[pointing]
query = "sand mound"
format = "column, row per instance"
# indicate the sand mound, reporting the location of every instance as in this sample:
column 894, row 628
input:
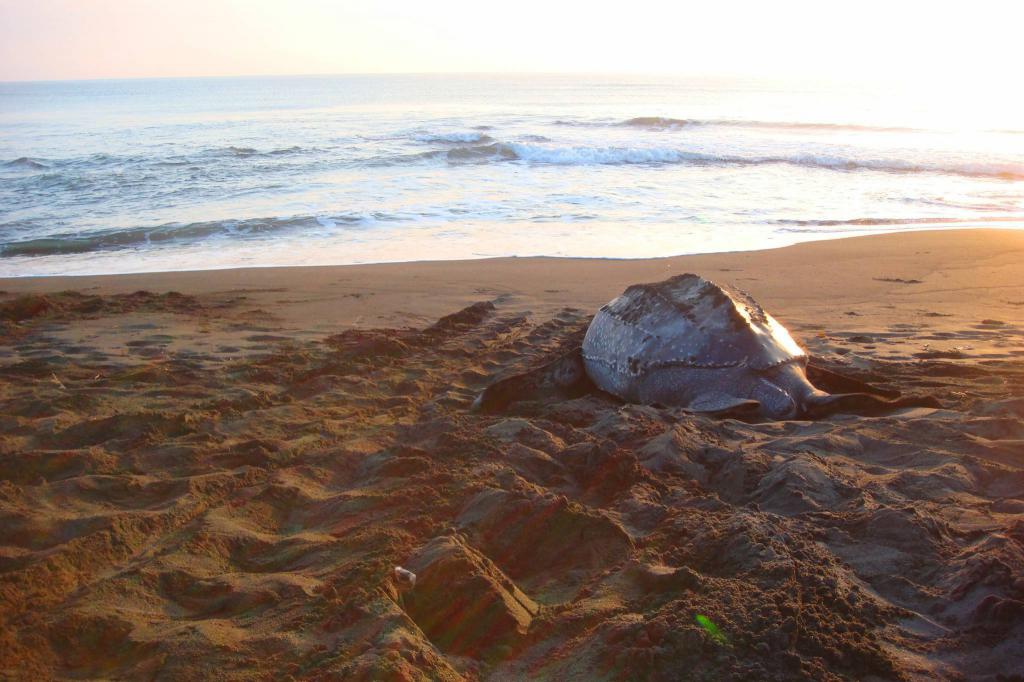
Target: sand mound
column 70, row 304
column 464, row 603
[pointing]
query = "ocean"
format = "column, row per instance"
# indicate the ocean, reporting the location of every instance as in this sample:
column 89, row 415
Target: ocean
column 184, row 174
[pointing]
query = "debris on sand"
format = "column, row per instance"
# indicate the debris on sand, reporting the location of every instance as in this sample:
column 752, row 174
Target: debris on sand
column 405, row 577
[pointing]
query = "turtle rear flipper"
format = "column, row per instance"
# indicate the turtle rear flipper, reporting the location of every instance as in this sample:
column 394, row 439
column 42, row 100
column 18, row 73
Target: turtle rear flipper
column 864, row 404
column 561, row 378
column 835, row 382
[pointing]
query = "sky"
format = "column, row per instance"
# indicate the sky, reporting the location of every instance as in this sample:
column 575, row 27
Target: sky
column 939, row 42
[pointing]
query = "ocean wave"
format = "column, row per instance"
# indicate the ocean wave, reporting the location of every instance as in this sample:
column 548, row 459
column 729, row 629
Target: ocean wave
column 1004, row 171
column 663, row 123
column 588, row 123
column 106, row 240
column 173, row 162
column 25, row 162
column 981, row 207
column 454, row 138
column 593, row 156
column 565, row 156
column 118, row 171
column 660, row 122
column 100, row 160
column 810, row 226
column 484, row 152
column 250, row 151
column 401, row 159
column 294, row 149
column 667, row 123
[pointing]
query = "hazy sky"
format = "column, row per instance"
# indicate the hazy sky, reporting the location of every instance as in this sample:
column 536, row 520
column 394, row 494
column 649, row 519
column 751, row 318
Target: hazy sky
column 977, row 41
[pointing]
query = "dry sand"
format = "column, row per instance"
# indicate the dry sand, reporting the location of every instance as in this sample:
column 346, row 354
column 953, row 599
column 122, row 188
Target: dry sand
column 218, row 483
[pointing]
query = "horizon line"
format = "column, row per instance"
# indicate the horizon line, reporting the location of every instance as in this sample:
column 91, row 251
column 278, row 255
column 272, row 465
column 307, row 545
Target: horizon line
column 638, row 74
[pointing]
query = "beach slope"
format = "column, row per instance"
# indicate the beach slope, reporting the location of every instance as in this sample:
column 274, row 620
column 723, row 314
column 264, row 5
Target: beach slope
column 215, row 474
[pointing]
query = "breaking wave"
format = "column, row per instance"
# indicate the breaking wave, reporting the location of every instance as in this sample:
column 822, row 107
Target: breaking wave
column 485, row 152
column 801, row 226
column 593, row 156
column 105, row 240
column 250, row 151
column 661, row 122
column 454, row 138
column 669, row 123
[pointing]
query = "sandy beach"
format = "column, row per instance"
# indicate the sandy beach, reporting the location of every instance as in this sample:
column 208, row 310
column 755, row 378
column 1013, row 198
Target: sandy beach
column 214, row 474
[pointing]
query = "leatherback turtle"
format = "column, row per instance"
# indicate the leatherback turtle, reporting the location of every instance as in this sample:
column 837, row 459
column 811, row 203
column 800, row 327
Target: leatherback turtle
column 691, row 343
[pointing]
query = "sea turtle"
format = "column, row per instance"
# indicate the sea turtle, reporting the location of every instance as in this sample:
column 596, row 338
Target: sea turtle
column 691, row 343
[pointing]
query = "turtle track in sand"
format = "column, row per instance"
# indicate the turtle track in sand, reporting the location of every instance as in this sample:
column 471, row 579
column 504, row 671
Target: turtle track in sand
column 186, row 514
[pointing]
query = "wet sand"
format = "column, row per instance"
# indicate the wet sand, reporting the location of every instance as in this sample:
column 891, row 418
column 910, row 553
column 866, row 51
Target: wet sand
column 214, row 474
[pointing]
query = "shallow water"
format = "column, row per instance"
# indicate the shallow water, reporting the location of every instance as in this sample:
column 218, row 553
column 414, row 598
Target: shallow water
column 128, row 176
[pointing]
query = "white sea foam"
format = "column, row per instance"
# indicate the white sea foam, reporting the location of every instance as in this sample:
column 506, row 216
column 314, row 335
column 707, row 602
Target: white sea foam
column 591, row 156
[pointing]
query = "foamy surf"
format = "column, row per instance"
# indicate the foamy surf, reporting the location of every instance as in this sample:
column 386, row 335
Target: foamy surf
column 589, row 156
column 334, row 170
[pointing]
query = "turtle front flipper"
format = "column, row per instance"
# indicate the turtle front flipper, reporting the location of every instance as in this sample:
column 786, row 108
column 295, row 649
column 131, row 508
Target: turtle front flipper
column 721, row 405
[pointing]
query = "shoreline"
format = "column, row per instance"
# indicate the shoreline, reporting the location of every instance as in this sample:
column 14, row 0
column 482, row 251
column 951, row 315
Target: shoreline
column 952, row 226
column 407, row 293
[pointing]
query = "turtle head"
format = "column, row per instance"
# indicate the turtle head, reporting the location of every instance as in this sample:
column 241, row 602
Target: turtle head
column 781, row 391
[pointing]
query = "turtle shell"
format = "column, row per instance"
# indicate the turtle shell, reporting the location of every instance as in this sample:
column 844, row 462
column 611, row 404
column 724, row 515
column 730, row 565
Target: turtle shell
column 686, row 321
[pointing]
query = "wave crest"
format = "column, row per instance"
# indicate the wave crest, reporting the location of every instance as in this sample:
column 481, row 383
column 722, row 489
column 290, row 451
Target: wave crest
column 593, row 156
column 454, row 138
column 659, row 122
column 250, row 151
column 62, row 244
column 26, row 163
column 485, row 152
column 810, row 226
column 663, row 123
